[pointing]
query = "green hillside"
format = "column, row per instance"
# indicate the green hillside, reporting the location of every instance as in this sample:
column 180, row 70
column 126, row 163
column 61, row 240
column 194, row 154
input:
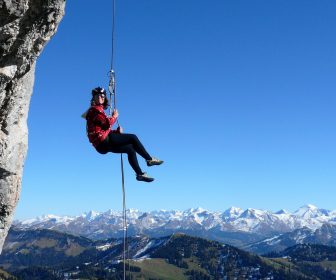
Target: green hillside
column 46, row 254
column 158, row 269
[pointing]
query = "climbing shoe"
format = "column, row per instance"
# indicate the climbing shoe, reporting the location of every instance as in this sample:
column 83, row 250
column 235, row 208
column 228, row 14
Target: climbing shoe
column 144, row 177
column 154, row 161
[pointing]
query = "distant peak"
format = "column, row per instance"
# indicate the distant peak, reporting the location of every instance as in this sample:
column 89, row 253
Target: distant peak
column 92, row 212
column 90, row 215
column 310, row 206
column 282, row 211
column 233, row 211
column 309, row 211
column 196, row 210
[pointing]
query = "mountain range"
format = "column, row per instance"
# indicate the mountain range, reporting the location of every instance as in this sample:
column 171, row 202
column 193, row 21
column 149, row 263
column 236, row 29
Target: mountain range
column 259, row 231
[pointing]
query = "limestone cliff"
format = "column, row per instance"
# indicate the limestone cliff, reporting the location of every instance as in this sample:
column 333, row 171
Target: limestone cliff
column 25, row 28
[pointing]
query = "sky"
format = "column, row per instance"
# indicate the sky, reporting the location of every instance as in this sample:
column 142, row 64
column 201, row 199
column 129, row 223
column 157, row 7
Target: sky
column 236, row 96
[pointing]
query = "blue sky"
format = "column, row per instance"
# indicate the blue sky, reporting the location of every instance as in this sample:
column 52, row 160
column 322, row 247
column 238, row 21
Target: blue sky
column 238, row 98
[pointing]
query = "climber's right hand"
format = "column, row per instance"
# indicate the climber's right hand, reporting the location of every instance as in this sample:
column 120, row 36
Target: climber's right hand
column 115, row 113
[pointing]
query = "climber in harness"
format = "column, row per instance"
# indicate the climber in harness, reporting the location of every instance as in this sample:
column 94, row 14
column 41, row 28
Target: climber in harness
column 104, row 139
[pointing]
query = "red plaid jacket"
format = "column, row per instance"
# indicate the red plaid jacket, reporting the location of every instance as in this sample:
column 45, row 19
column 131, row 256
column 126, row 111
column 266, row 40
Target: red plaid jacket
column 98, row 125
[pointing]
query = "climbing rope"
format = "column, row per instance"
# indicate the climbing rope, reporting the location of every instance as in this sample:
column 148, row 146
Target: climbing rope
column 112, row 90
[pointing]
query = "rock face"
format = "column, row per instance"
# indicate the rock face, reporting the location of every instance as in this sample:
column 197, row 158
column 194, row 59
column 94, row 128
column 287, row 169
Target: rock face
column 25, row 28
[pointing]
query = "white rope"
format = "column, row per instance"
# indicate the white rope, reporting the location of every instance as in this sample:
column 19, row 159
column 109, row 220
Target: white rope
column 112, row 90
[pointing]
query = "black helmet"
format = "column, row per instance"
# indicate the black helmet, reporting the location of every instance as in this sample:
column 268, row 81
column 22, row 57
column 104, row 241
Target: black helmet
column 98, row 90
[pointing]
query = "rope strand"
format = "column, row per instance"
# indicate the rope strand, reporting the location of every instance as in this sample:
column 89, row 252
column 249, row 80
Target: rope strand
column 113, row 28
column 112, row 90
column 124, row 213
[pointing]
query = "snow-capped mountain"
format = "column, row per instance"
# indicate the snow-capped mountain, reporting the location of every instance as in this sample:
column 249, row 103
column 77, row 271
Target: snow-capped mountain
column 255, row 222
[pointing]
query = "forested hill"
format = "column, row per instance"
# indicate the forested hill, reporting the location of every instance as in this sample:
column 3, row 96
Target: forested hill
column 45, row 253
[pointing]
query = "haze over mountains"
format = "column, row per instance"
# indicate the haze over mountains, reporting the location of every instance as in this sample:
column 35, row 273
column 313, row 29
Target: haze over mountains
column 252, row 229
column 233, row 219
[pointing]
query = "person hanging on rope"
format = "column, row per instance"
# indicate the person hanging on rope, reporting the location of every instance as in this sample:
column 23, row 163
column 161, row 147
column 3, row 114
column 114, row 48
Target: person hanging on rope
column 104, row 139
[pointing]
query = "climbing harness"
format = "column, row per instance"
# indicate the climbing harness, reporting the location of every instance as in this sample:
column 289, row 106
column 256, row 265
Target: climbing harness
column 112, row 90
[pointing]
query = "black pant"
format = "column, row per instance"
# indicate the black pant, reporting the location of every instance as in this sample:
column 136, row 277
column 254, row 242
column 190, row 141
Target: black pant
column 125, row 143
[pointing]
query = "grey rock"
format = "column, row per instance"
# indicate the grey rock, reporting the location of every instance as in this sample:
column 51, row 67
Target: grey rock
column 25, row 28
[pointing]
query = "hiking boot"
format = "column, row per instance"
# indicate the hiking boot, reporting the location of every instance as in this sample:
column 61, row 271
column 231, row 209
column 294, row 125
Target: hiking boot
column 144, row 177
column 154, row 161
